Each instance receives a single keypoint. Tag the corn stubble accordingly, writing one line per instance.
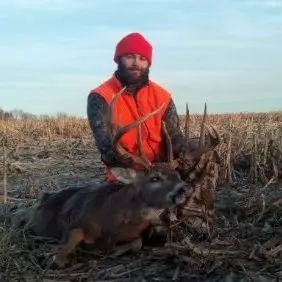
(243, 244)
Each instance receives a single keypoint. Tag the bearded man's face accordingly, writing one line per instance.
(133, 68)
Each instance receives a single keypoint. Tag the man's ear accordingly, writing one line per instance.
(124, 175)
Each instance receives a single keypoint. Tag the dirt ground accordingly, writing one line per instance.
(245, 243)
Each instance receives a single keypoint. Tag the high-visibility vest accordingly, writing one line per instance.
(129, 108)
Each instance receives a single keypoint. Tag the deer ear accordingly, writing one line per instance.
(124, 175)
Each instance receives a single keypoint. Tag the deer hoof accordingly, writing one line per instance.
(59, 262)
(134, 246)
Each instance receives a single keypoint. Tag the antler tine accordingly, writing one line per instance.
(120, 131)
(202, 149)
(187, 128)
(202, 133)
(169, 149)
(141, 159)
(168, 143)
(142, 155)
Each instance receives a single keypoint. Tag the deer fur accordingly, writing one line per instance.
(109, 215)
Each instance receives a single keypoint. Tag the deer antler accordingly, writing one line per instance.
(118, 132)
(187, 128)
(202, 149)
(169, 149)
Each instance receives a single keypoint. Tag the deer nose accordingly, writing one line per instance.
(177, 193)
(180, 189)
(188, 190)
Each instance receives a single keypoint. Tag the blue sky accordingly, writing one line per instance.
(225, 53)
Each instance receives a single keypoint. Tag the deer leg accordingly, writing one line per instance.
(75, 237)
(135, 245)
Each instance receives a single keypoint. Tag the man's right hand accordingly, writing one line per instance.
(112, 158)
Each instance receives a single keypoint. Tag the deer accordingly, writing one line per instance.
(112, 216)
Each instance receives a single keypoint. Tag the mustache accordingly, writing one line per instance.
(134, 69)
(126, 76)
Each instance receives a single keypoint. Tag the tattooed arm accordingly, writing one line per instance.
(97, 113)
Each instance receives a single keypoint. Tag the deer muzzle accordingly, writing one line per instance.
(178, 194)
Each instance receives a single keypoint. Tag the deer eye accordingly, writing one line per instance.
(155, 179)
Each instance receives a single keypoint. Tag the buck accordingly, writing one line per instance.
(113, 215)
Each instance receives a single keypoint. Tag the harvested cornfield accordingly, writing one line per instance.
(244, 244)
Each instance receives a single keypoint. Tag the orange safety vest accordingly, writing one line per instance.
(128, 109)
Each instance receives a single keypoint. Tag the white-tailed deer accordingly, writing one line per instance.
(113, 214)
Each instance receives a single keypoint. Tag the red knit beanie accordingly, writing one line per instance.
(134, 43)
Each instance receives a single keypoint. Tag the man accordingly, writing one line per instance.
(133, 56)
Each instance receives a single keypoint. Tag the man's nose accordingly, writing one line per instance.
(135, 62)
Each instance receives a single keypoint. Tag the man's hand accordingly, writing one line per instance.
(112, 158)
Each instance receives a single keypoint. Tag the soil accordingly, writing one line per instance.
(244, 244)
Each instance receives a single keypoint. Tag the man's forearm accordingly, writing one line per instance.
(97, 112)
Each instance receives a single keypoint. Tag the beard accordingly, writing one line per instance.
(132, 76)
